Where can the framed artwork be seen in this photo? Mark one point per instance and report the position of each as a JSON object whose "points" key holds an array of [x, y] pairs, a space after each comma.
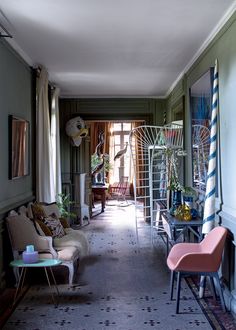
{"points": [[18, 147]]}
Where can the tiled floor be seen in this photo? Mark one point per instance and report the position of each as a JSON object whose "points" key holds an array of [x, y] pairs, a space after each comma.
{"points": [[123, 286]]}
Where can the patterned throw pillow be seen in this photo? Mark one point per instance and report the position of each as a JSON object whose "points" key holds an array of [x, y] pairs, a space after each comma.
{"points": [[55, 226]]}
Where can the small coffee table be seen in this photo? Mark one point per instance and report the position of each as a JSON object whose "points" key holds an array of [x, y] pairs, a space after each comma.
{"points": [[45, 263]]}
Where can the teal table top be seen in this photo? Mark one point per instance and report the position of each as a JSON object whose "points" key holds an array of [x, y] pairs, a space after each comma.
{"points": [[39, 263]]}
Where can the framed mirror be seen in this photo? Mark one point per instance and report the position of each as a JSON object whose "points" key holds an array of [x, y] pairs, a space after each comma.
{"points": [[18, 147], [200, 105]]}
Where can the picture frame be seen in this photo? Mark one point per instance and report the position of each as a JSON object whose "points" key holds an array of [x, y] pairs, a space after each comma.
{"points": [[19, 141]]}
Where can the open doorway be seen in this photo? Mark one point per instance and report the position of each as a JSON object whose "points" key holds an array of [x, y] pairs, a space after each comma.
{"points": [[111, 138]]}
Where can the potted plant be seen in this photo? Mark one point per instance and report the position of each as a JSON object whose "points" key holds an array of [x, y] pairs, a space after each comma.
{"points": [[64, 204], [174, 184]]}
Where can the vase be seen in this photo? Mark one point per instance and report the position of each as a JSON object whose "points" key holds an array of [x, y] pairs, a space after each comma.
{"points": [[176, 201], [188, 200]]}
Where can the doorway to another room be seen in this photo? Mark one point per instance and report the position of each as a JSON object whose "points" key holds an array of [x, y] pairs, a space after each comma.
{"points": [[110, 150]]}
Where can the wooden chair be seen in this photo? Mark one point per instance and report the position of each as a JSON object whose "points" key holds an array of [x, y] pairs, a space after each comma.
{"points": [[118, 191]]}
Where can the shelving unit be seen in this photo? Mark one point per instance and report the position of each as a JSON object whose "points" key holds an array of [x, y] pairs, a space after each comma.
{"points": [[140, 140], [168, 144]]}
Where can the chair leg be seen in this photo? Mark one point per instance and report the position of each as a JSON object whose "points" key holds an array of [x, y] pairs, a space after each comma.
{"points": [[216, 276], [202, 286], [178, 292], [172, 279], [212, 286]]}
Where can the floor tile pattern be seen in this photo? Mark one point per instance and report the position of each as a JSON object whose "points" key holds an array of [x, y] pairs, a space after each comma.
{"points": [[122, 285]]}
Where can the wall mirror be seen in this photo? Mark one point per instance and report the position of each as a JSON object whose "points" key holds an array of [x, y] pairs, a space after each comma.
{"points": [[18, 147], [200, 105]]}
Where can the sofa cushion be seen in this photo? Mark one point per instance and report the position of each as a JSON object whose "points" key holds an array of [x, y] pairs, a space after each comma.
{"points": [[55, 226], [51, 209], [42, 228], [38, 211], [64, 223], [68, 253], [73, 238]]}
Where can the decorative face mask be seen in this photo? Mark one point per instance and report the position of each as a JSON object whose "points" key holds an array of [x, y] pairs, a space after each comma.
{"points": [[75, 129]]}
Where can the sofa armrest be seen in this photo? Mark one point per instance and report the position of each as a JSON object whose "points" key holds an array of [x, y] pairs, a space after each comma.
{"points": [[22, 233], [44, 244]]}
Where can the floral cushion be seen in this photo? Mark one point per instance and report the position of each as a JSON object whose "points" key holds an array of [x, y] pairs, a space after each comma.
{"points": [[55, 226]]}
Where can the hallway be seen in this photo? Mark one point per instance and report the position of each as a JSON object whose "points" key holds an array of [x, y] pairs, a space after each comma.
{"points": [[123, 286]]}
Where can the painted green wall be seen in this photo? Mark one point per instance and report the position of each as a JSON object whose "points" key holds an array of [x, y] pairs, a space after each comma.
{"points": [[223, 48], [150, 110], [15, 99], [114, 109]]}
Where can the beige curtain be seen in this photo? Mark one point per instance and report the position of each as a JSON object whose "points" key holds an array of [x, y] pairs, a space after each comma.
{"points": [[45, 191], [19, 138], [55, 138], [95, 130]]}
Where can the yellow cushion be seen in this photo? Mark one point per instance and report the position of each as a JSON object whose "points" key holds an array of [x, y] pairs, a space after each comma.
{"points": [[44, 227], [64, 223]]}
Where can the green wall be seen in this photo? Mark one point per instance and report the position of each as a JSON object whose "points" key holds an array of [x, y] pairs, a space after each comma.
{"points": [[114, 109], [223, 48], [15, 99], [150, 110]]}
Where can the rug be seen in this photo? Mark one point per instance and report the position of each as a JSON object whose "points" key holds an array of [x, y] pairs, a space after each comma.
{"points": [[122, 285]]}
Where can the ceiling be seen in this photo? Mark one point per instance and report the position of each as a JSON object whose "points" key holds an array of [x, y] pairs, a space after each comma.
{"points": [[113, 48]]}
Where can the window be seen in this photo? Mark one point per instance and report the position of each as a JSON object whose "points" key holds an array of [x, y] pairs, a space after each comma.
{"points": [[121, 166]]}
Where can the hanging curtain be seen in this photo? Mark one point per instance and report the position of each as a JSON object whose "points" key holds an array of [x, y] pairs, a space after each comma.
{"points": [[55, 138], [139, 163], [111, 153], [45, 191]]}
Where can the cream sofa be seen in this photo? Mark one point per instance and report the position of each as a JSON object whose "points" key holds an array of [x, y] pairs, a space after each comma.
{"points": [[24, 231]]}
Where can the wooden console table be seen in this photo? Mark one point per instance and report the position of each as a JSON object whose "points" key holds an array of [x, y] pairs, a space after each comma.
{"points": [[101, 191]]}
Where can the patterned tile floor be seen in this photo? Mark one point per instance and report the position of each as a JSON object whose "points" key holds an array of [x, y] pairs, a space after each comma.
{"points": [[122, 285]]}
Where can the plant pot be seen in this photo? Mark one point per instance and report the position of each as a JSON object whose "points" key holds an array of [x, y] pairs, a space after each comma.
{"points": [[188, 200], [176, 201]]}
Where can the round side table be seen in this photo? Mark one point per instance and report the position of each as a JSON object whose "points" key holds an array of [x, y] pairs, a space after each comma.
{"points": [[45, 263]]}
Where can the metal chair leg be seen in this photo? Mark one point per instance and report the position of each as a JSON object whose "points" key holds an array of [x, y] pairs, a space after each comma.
{"points": [[212, 286], [178, 292], [216, 276], [172, 279]]}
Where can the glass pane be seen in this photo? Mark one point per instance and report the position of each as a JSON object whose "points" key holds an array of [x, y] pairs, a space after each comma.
{"points": [[126, 126], [117, 139], [126, 138], [117, 126]]}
